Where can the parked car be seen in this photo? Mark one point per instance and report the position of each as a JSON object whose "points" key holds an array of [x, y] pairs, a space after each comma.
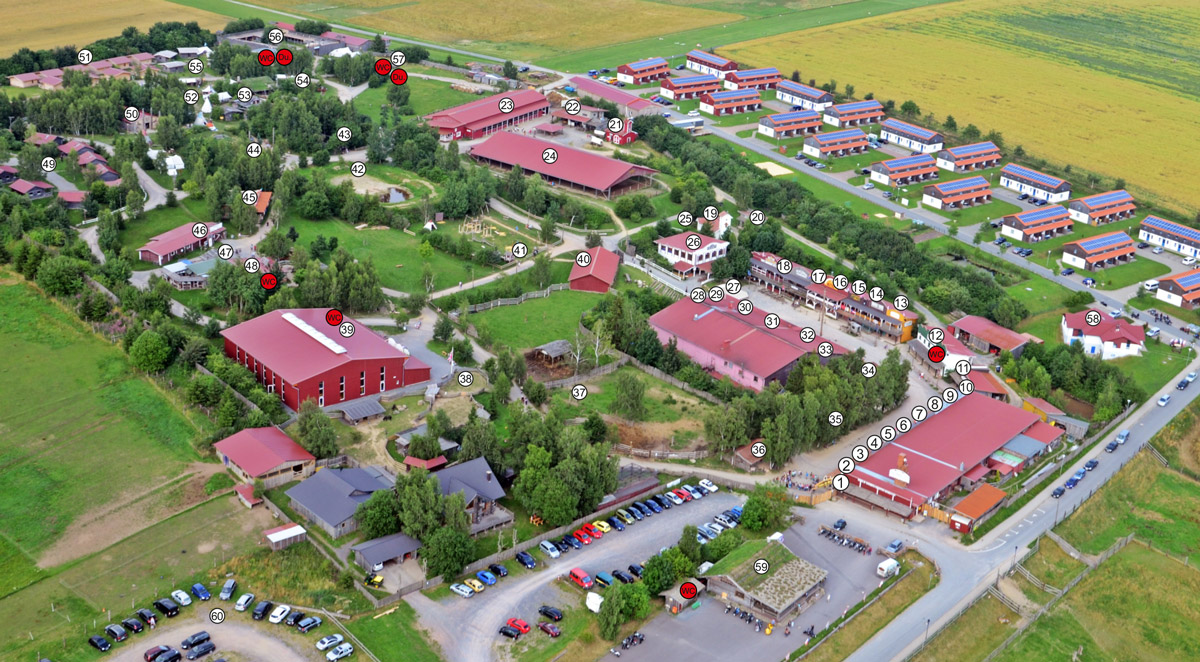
{"points": [[244, 601], [293, 618], [262, 609], [640, 507], [330, 641], [1143, 244], [733, 516], [133, 625], [616, 523], [696, 494], [194, 640], [1071, 483], [115, 631], [1183, 383], [602, 526], [572, 541], [839, 525], [591, 530], [1157, 250], [625, 516], [1123, 435], [706, 531], [652, 505], [153, 653], [894, 547], [182, 598], [737, 511], [498, 570], [1091, 464], [549, 628], [342, 650], [724, 521], [519, 624], [201, 650], [99, 643], [662, 501], [475, 584], [709, 485], [549, 549], [1162, 402], [228, 589], [604, 579], [868, 186], [1189, 260], [167, 607], [550, 613], [563, 547], [583, 537], [171, 655], [679, 67], [1153, 332], [581, 578], [693, 113], [486, 577], [145, 615], [1058, 492], [309, 623], [623, 577], [462, 590], [200, 591], [1023, 196], [683, 494], [279, 614], [1006, 243], [1191, 377], [510, 632], [1112, 446], [526, 559], [1066, 272], [1080, 475]]}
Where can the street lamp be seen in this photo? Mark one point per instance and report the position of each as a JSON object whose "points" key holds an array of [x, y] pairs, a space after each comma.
{"points": [[926, 631], [1014, 561]]}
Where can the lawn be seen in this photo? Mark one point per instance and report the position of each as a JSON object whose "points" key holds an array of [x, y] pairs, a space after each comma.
{"points": [[1047, 325], [1179, 440], [687, 105], [1093, 53], [77, 415], [1038, 294], [979, 213], [825, 191], [537, 321], [1157, 504], [394, 252], [1145, 301], [47, 25], [1156, 366], [976, 633], [873, 619], [427, 96], [1114, 278], [664, 403], [157, 221], [1139, 606], [1052, 565], [396, 635]]}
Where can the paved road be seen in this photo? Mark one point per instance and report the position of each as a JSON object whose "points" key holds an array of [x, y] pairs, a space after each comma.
{"points": [[345, 93]]}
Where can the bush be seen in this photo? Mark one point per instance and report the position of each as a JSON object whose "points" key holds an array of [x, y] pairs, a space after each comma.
{"points": [[218, 482]]}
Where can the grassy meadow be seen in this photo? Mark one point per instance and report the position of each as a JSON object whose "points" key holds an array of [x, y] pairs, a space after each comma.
{"points": [[428, 96], [537, 321], [1076, 68], [61, 22], [976, 633]]}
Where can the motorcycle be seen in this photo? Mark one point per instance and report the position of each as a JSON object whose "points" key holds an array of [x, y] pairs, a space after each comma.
{"points": [[615, 652], [625, 643], [728, 607], [770, 627]]}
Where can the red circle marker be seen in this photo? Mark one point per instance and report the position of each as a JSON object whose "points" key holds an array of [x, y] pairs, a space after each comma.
{"points": [[399, 76], [687, 591], [284, 57], [266, 58], [937, 354], [268, 281], [334, 317], [382, 66]]}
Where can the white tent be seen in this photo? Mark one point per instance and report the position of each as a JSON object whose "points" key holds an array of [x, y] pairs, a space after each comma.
{"points": [[224, 97], [342, 52], [206, 107], [174, 164]]}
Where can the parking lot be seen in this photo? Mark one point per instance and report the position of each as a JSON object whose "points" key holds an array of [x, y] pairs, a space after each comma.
{"points": [[251, 641], [468, 625], [708, 633]]}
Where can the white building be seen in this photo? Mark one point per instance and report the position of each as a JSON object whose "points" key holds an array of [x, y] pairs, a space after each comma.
{"points": [[690, 252], [1171, 236], [911, 136], [1110, 339], [1034, 184], [804, 96]]}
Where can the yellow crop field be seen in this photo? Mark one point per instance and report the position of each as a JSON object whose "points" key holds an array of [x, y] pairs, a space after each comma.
{"points": [[524, 29], [1112, 87], [51, 23]]}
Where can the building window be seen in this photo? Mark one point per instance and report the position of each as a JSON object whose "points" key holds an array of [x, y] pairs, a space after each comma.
{"points": [[341, 388], [239, 354], [382, 379], [362, 383], [321, 389]]}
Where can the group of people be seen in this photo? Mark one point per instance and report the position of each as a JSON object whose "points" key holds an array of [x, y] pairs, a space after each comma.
{"points": [[805, 481]]}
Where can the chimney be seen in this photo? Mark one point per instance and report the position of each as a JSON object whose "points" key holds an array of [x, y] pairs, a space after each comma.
{"points": [[488, 474], [724, 345], [902, 462], [899, 475]]}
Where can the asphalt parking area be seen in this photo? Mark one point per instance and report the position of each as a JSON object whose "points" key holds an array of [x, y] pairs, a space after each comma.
{"points": [[253, 641], [471, 623]]}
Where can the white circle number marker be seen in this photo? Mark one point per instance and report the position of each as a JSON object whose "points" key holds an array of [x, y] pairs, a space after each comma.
{"points": [[200, 230], [759, 449], [583, 259], [903, 424], [819, 276], [224, 251], [693, 242], [245, 94], [344, 134], [716, 294], [697, 295], [579, 391], [757, 217], [465, 378], [859, 453], [825, 349], [549, 155], [841, 282], [936, 336], [920, 413], [845, 465], [733, 286], [398, 59], [888, 433], [761, 566], [251, 265], [302, 80], [841, 482], [346, 329], [807, 334], [711, 213], [745, 307], [520, 250], [195, 66], [49, 164], [963, 368], [84, 56], [859, 287], [132, 114], [835, 418], [966, 387], [250, 197], [506, 105], [191, 97], [358, 168], [275, 36], [950, 395], [772, 321], [874, 442], [935, 403], [901, 302], [869, 370], [784, 266], [685, 218], [876, 294], [217, 616], [572, 106], [254, 150], [616, 125], [1092, 318]]}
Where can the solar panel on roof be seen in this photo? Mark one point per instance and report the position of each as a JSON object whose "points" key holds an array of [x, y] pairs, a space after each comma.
{"points": [[857, 106], [1109, 198], [838, 135], [1033, 175], [735, 94], [1189, 281], [1035, 215], [701, 55], [1168, 226], [920, 132], [907, 161], [962, 184], [646, 63], [694, 79], [971, 150], [1100, 243], [757, 72], [796, 115]]}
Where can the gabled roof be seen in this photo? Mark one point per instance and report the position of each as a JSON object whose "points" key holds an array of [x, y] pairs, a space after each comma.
{"points": [[727, 96], [24, 186], [72, 197], [910, 130], [838, 136], [972, 150], [332, 495], [176, 239], [1033, 176], [743, 74], [978, 503], [651, 63], [960, 185], [1161, 225], [259, 450], [708, 58], [602, 91], [1187, 281], [678, 241], [906, 163], [573, 165], [386, 548], [1108, 330], [603, 266], [1043, 406], [855, 107], [991, 332], [793, 117], [692, 80], [1104, 246], [1034, 217], [1104, 200], [802, 90], [472, 478], [345, 38]]}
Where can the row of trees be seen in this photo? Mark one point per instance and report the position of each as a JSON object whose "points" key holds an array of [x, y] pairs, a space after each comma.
{"points": [[534, 196], [161, 36], [1042, 370]]}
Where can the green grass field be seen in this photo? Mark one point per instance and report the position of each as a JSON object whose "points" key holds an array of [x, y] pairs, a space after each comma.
{"points": [[1052, 565], [158, 221], [396, 636], [1039, 294], [602, 393], [975, 634], [1155, 367], [1139, 606], [537, 321], [979, 213], [1124, 275], [77, 415], [427, 96], [1145, 301], [1179, 441]]}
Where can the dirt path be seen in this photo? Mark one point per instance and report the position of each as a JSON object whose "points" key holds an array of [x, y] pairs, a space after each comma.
{"points": [[108, 524], [1010, 590], [254, 643]]}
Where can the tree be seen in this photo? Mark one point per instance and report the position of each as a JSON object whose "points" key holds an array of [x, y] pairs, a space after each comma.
{"points": [[276, 244], [501, 389], [688, 543], [726, 428], [595, 427], [540, 274], [29, 163], [766, 508], [418, 500], [447, 552], [535, 472], [424, 446], [150, 352], [510, 70], [910, 109], [479, 440], [1010, 312], [378, 45], [971, 133], [593, 240], [795, 75], [849, 91], [316, 431], [379, 515], [726, 542], [950, 124], [635, 600], [547, 233], [658, 574], [536, 392], [612, 615], [443, 329], [630, 391], [61, 276], [427, 276], [169, 134]]}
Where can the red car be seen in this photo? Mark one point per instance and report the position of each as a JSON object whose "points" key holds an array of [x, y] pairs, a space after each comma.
{"points": [[549, 628], [583, 537], [683, 494], [519, 625], [155, 652], [592, 531]]}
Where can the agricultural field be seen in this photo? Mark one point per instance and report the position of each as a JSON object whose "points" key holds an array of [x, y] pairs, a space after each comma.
{"points": [[73, 423], [44, 24], [1138, 606], [428, 96], [1091, 54]]}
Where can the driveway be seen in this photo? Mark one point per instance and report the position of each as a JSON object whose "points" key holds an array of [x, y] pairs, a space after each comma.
{"points": [[254, 643], [466, 628]]}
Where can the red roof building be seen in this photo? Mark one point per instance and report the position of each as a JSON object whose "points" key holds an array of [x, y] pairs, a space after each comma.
{"points": [[1182, 289], [688, 87], [707, 63], [986, 382], [986, 337], [966, 192], [1112, 338], [789, 125], [765, 78], [599, 274], [854, 113], [730, 102], [1099, 251], [904, 170], [836, 143], [480, 118], [725, 342], [32, 190], [8, 174], [80, 148], [690, 251], [644, 71], [299, 356], [1102, 208], [353, 43], [951, 448], [576, 168], [1037, 224], [161, 248], [72, 199], [628, 104], [976, 156], [265, 454]]}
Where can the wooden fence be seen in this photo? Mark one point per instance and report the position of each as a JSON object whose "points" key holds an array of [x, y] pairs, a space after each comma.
{"points": [[624, 449], [592, 374], [536, 294]]}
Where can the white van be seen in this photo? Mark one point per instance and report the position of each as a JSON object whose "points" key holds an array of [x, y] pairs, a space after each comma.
{"points": [[1150, 285], [887, 568]]}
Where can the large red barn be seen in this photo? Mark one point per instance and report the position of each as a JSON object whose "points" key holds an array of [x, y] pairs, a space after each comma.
{"points": [[299, 356], [480, 118], [599, 274], [579, 169]]}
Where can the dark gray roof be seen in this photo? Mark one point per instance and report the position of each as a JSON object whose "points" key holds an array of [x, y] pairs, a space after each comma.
{"points": [[360, 409], [470, 478], [332, 495], [386, 548], [555, 348], [1024, 446]]}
